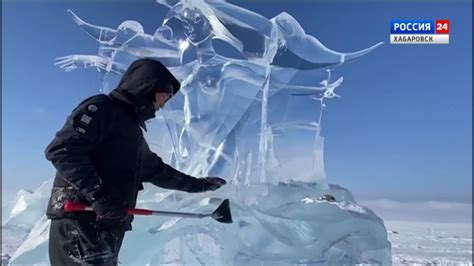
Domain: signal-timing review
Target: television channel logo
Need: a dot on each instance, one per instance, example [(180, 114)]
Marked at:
[(419, 31)]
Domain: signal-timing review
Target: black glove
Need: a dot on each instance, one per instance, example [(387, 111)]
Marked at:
[(207, 184), (109, 212)]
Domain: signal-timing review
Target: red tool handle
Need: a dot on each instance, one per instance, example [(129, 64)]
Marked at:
[(70, 206), (139, 211)]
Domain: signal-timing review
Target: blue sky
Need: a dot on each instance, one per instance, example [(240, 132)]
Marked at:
[(402, 129)]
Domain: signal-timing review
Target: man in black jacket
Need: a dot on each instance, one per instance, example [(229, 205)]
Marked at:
[(102, 159)]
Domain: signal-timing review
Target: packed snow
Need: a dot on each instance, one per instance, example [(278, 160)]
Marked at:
[(430, 243)]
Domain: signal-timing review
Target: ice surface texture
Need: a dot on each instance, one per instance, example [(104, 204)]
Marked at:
[(250, 112), (282, 223)]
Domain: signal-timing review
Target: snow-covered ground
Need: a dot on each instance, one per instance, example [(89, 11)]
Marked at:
[(430, 243), (429, 232)]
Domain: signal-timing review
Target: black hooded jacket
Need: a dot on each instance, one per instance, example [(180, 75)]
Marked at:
[(101, 151)]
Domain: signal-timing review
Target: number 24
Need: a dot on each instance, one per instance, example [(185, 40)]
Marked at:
[(442, 26)]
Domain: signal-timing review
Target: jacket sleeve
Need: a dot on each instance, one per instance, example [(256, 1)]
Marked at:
[(88, 124), (162, 175)]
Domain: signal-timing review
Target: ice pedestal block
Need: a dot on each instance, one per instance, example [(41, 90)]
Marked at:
[(282, 223)]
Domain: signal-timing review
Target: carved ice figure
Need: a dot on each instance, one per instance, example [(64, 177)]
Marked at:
[(216, 95), (118, 48), (254, 35), (278, 49), (231, 109)]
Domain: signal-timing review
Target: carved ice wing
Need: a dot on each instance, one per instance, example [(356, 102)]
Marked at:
[(252, 29), (303, 51), (101, 34)]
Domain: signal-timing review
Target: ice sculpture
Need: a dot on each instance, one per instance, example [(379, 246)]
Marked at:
[(255, 120)]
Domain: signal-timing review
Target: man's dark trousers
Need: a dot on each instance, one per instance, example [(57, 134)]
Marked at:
[(75, 242)]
